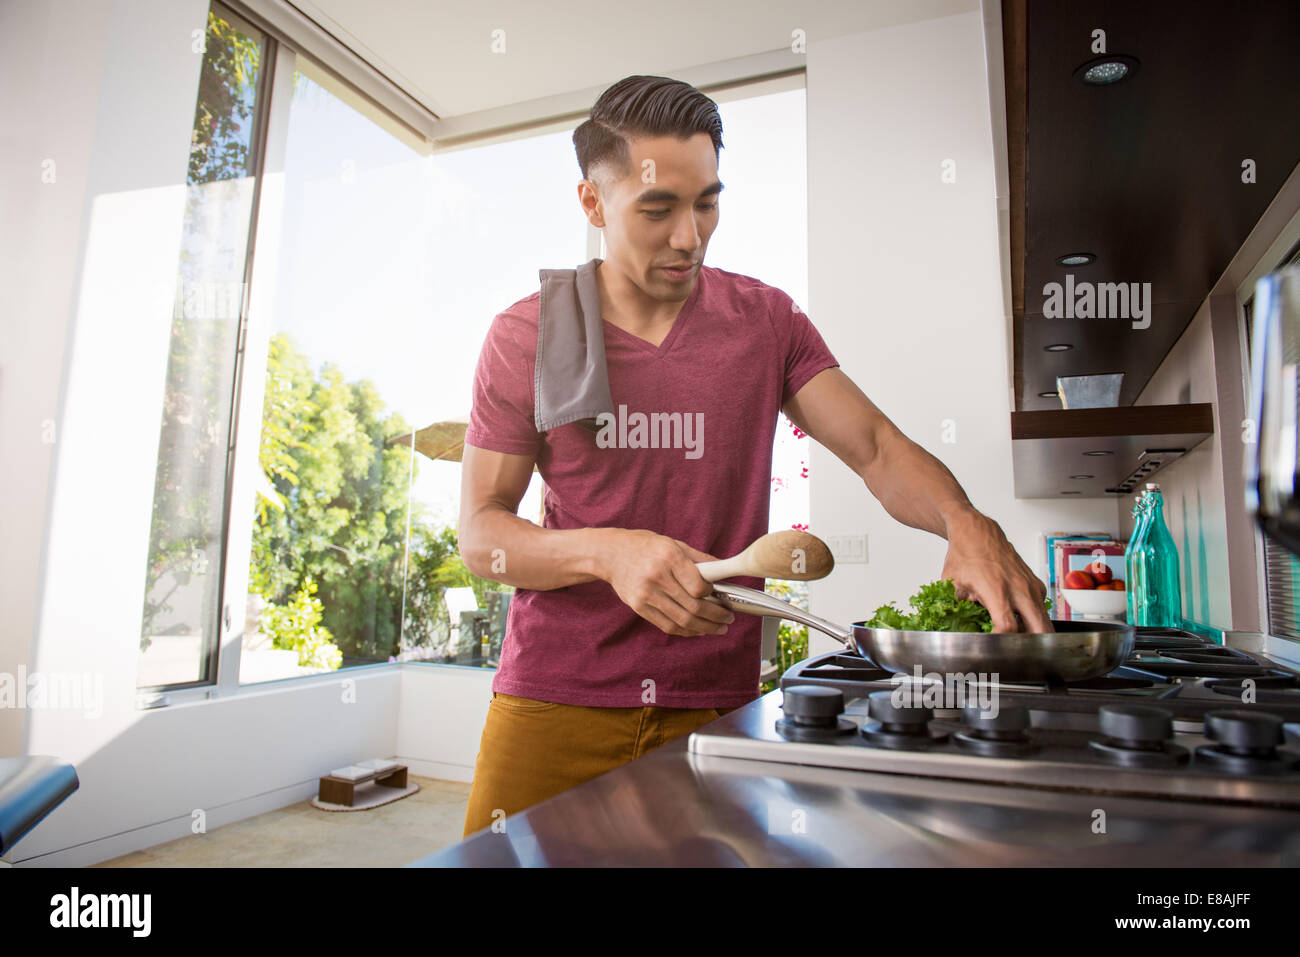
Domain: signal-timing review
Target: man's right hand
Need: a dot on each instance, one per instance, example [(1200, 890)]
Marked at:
[(656, 577)]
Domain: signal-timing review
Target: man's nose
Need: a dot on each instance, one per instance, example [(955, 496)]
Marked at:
[(686, 235)]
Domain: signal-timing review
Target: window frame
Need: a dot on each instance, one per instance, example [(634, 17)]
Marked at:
[(211, 654), (350, 77)]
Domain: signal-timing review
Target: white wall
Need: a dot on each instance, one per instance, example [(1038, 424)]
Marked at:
[(904, 280), (39, 249), (440, 717), (235, 757)]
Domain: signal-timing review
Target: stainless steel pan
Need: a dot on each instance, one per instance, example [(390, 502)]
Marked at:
[(1077, 650)]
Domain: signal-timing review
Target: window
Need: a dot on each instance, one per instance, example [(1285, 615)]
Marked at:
[(179, 626)]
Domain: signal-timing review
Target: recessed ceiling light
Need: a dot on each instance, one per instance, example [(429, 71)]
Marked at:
[(1099, 452), (1049, 395), (1080, 476), (1107, 70), (1076, 259), (1058, 347)]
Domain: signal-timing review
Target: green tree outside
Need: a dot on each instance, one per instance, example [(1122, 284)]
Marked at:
[(340, 535)]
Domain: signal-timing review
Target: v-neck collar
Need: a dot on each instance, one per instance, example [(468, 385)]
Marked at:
[(683, 314)]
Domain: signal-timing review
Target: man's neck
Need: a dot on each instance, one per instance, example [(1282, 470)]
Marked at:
[(623, 304)]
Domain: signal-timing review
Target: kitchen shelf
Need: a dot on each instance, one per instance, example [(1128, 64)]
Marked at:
[(1049, 446)]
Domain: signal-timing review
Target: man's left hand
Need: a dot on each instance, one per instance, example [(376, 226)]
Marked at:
[(985, 568)]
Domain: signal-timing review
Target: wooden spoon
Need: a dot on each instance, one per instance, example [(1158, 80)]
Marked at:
[(791, 555)]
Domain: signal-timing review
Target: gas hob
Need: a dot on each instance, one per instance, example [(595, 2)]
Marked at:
[(1181, 719)]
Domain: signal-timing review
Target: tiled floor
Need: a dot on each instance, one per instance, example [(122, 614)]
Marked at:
[(304, 836)]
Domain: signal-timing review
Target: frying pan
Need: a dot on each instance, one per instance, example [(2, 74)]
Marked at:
[(1076, 651)]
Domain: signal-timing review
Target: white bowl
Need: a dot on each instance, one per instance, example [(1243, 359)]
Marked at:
[(1096, 601)]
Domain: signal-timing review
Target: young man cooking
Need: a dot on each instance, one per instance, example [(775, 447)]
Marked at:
[(611, 647)]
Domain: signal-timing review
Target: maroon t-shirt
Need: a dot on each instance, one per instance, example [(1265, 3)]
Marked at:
[(738, 350)]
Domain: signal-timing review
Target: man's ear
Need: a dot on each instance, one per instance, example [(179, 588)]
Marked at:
[(590, 198)]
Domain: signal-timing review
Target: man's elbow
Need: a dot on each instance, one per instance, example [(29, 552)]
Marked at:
[(469, 558), (468, 544), (476, 548)]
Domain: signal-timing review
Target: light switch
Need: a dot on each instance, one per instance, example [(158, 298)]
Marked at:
[(848, 549)]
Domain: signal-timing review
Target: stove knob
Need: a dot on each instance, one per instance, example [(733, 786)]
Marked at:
[(1136, 725), (813, 705), (1292, 731), (894, 717), (1009, 723), (1244, 732)]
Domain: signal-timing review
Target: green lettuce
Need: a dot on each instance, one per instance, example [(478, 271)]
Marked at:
[(936, 607)]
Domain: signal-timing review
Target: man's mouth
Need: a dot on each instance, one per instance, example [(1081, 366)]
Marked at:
[(679, 272)]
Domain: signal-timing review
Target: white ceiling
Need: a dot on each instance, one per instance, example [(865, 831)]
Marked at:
[(440, 52)]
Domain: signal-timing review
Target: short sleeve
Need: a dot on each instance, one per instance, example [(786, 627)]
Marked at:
[(806, 353), (501, 413)]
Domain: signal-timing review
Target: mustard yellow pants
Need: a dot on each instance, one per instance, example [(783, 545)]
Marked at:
[(533, 750)]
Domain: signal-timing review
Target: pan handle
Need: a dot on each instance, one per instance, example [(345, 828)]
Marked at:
[(739, 598)]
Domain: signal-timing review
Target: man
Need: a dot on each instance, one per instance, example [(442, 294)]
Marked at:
[(612, 647)]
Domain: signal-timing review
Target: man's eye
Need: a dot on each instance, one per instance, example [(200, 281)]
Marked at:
[(657, 213)]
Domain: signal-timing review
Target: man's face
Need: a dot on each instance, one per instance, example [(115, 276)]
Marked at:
[(661, 213)]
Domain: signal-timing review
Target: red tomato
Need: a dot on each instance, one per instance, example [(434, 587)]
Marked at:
[(1080, 579), (1099, 571)]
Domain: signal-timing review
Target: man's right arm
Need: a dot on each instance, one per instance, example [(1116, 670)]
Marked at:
[(651, 573)]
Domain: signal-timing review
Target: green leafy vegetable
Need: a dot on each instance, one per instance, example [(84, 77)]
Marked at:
[(936, 607)]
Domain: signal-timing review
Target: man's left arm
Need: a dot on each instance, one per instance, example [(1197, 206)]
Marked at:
[(919, 491)]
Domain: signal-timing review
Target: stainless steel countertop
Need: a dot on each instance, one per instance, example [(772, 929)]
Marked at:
[(672, 808)]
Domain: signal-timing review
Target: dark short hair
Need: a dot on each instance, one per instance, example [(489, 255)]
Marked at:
[(643, 106)]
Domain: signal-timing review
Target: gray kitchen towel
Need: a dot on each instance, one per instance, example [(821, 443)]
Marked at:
[(571, 383)]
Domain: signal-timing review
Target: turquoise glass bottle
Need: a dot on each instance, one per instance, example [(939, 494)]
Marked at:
[(1158, 599), (1131, 569)]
